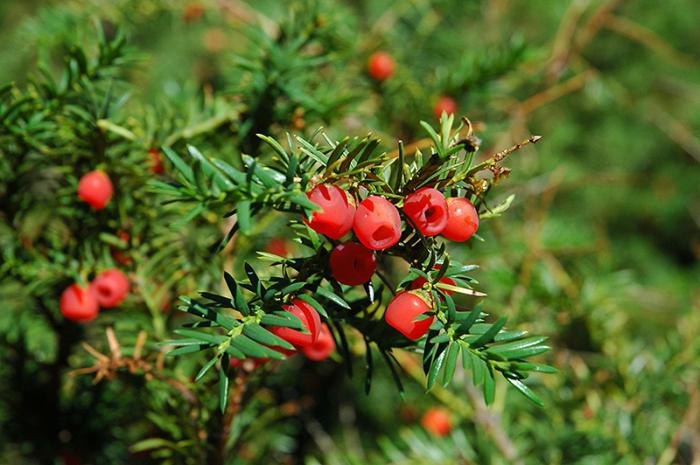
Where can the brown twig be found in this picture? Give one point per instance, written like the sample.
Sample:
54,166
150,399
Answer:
552,93
492,424
649,39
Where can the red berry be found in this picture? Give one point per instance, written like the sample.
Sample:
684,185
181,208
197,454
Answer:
377,223
337,211
463,221
323,347
403,311
110,287
95,189
278,246
427,209
352,263
78,303
122,258
155,160
310,319
380,66
420,281
437,421
445,104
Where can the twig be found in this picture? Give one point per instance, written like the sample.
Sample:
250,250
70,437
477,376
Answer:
552,93
492,424
649,39
498,157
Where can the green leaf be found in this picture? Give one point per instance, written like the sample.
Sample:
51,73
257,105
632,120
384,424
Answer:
466,325
263,336
514,347
489,386
435,369
450,363
182,167
239,301
206,368
188,349
223,389
537,367
478,369
254,349
243,213
490,333
522,387
314,303
204,337
333,297
284,319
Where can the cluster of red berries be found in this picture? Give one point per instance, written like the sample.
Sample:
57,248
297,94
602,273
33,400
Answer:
376,223
107,290
315,342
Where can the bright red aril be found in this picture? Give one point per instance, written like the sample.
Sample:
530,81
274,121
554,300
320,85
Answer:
377,223
427,209
337,211
352,263
463,220
78,303
309,318
405,314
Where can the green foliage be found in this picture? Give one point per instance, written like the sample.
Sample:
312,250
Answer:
598,249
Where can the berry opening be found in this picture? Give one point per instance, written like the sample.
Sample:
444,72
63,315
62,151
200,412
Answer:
382,233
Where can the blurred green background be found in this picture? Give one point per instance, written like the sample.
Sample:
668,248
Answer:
600,249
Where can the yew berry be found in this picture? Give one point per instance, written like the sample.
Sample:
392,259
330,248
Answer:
420,281
427,209
437,421
377,223
155,160
380,66
322,348
78,303
278,246
310,319
337,211
445,104
462,222
95,189
403,311
110,287
352,263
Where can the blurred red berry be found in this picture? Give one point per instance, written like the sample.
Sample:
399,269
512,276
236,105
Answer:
403,311
310,319
278,246
155,160
420,281
322,348
110,287
380,66
462,222
193,11
78,303
337,211
445,104
427,209
122,257
377,223
352,263
95,189
437,421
